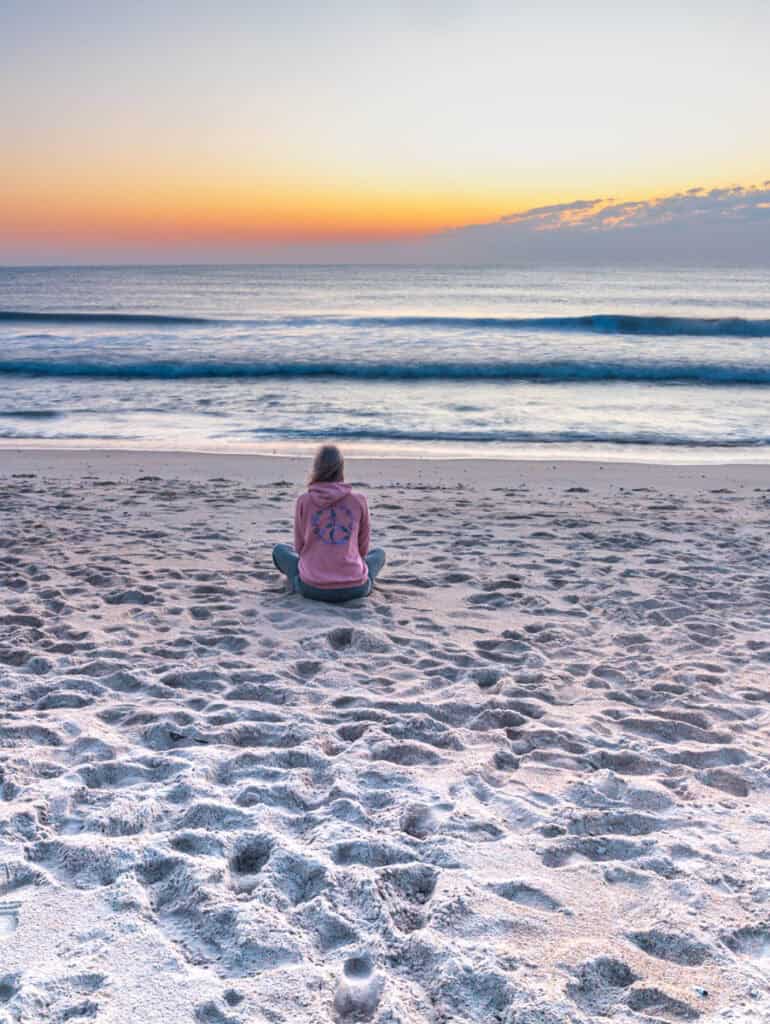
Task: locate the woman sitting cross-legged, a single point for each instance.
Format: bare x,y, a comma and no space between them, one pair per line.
331,560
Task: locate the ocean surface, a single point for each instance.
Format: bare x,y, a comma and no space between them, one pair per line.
494,361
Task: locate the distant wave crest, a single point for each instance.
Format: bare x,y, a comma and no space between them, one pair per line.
595,323
10,316
550,371
29,414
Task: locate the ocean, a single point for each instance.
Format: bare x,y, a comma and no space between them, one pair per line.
449,361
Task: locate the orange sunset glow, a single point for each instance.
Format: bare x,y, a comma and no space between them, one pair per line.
244,126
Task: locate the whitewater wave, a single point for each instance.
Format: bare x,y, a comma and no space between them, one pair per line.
596,323
548,371
386,435
640,438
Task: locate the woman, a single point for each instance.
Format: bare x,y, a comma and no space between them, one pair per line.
331,560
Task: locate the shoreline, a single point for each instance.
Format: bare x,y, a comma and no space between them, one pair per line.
531,452
263,469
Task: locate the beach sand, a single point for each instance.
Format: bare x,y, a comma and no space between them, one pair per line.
526,781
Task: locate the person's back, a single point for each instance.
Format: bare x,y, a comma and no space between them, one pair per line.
331,535
331,560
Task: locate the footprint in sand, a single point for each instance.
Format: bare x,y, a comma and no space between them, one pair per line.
359,990
9,918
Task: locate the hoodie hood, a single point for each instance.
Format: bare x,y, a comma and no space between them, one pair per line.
324,495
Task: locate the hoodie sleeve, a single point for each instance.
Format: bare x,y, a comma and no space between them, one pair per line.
299,532
364,528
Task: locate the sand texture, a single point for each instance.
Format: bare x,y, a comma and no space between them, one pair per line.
525,782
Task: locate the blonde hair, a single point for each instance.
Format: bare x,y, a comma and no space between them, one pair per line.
328,465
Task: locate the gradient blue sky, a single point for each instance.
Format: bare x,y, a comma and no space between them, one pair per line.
154,131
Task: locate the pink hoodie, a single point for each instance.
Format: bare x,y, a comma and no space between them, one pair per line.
331,536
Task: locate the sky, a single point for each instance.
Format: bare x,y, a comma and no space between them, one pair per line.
238,131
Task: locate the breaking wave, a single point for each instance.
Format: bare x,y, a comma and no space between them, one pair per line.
548,371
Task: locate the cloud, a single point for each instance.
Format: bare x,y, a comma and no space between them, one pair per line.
549,213
729,225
